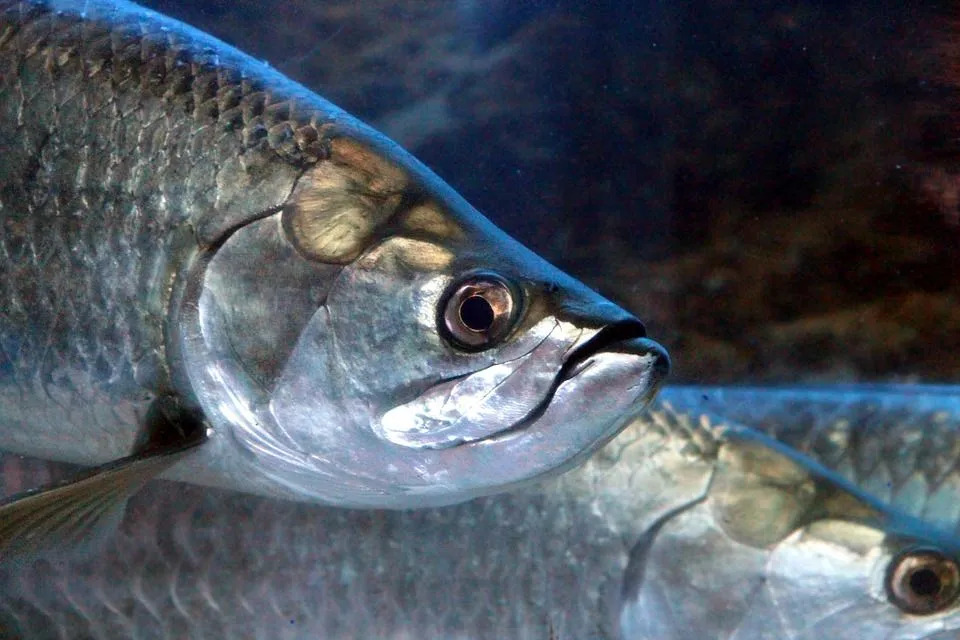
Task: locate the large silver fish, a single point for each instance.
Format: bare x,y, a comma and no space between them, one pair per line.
204,263
686,526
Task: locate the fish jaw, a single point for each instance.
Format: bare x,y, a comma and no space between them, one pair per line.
510,396
601,394
595,397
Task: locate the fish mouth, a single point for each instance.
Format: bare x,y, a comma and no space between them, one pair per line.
512,395
626,337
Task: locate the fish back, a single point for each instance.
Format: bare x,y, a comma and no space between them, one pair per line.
900,443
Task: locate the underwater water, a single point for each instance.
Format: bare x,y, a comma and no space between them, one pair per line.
773,189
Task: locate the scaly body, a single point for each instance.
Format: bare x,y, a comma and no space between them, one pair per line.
570,558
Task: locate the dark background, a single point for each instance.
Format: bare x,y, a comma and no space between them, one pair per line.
772,186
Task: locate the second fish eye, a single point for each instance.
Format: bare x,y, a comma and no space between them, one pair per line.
478,312
923,581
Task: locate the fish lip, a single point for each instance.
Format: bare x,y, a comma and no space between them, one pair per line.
625,336
628,336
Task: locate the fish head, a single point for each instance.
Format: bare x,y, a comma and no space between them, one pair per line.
791,551
437,361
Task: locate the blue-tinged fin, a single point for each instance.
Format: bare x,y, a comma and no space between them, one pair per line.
75,515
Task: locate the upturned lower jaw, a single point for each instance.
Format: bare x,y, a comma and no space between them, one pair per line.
628,336
585,411
511,395
619,341
485,402
645,385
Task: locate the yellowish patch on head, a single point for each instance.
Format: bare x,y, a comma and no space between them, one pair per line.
429,220
338,205
412,254
377,174
859,538
759,495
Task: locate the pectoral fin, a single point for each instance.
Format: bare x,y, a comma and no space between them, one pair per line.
76,514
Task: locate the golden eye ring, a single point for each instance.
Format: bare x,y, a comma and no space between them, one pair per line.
478,312
922,581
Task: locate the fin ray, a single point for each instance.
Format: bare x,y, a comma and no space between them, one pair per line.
67,515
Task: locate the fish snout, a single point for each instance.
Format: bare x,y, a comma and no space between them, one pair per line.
588,309
647,348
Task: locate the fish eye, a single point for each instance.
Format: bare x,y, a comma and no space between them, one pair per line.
923,581
477,312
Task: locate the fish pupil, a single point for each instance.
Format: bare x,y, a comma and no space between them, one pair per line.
925,582
476,313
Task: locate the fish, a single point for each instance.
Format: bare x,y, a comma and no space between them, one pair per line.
837,516
687,525
210,273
